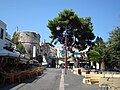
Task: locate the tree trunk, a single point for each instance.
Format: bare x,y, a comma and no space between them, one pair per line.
102,66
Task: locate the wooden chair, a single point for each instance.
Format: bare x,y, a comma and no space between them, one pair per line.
21,76
28,74
8,77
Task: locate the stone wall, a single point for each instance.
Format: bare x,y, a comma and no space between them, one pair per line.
30,39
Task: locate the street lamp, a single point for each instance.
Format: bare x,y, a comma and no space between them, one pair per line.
65,33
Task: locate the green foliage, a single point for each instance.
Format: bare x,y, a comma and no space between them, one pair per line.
108,52
113,46
81,28
94,55
61,59
97,52
15,37
21,48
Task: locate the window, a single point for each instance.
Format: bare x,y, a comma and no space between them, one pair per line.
1,33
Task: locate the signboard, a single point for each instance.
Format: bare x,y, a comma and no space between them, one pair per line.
62,53
76,54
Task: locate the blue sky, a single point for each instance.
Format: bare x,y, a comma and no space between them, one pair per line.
33,15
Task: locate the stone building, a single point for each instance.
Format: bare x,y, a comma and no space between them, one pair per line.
31,43
2,34
49,52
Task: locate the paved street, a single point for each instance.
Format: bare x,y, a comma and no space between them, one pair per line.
74,82
52,79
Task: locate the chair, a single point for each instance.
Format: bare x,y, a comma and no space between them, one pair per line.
28,74
8,77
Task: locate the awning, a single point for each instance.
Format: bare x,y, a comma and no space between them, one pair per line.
4,52
44,63
70,59
60,62
35,60
25,60
24,56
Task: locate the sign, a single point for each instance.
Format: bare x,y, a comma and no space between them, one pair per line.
76,54
62,53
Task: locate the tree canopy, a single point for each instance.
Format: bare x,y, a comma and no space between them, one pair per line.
113,47
97,53
79,29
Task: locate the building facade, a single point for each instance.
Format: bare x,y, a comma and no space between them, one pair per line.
5,38
2,34
7,53
31,43
49,52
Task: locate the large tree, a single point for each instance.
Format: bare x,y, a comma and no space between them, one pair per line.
79,29
113,47
97,53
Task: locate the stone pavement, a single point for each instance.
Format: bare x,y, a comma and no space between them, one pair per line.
74,82
49,80
52,79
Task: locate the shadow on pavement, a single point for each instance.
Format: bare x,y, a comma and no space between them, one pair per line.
8,86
